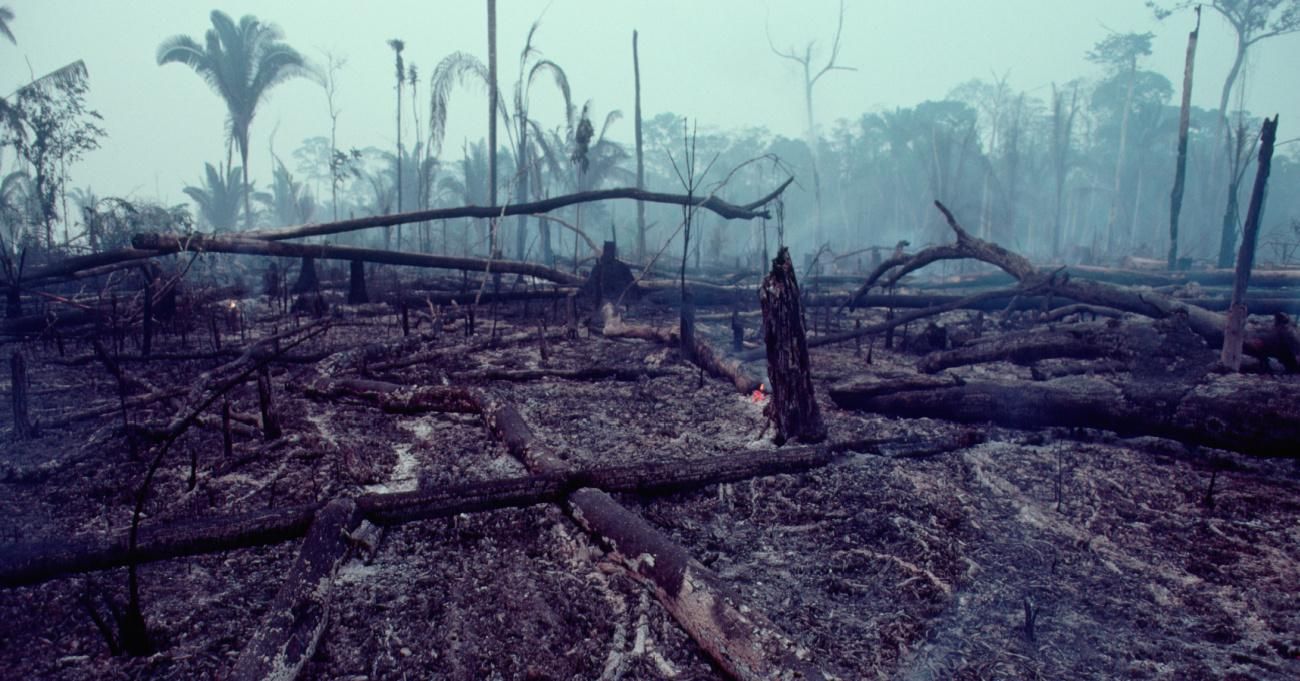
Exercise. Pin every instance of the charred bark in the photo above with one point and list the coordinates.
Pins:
(290, 631)
(1248, 415)
(23, 428)
(793, 407)
(357, 283)
(35, 562)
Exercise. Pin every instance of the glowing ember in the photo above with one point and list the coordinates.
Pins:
(758, 395)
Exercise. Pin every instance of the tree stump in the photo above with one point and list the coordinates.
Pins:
(307, 279)
(357, 283)
(22, 425)
(793, 406)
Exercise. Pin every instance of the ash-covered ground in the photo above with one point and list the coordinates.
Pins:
(1060, 554)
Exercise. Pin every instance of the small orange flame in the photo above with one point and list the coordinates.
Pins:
(758, 395)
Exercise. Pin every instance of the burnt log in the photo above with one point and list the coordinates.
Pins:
(739, 638)
(703, 355)
(291, 630)
(793, 407)
(1079, 341)
(1258, 416)
(39, 561)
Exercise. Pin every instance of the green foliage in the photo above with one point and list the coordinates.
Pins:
(288, 202)
(217, 195)
(49, 126)
(110, 222)
(241, 63)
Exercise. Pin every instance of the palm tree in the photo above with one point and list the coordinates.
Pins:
(289, 201)
(218, 197)
(241, 63)
(6, 16)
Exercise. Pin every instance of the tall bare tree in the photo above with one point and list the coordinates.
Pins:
(640, 155)
(398, 46)
(811, 75)
(1180, 165)
(492, 116)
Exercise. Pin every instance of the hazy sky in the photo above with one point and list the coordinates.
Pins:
(708, 60)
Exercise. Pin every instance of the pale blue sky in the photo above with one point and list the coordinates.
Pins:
(709, 60)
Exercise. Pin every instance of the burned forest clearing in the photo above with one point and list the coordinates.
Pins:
(543, 486)
(999, 385)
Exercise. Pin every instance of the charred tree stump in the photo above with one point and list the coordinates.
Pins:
(23, 428)
(289, 633)
(307, 279)
(794, 404)
(357, 283)
(146, 341)
(610, 280)
(270, 419)
(13, 303)
(737, 332)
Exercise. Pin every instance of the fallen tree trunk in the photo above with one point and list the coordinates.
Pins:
(178, 243)
(727, 210)
(36, 562)
(1252, 415)
(739, 638)
(1209, 325)
(1078, 341)
(703, 354)
(292, 628)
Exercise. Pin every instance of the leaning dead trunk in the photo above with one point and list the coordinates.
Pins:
(794, 404)
(1235, 329)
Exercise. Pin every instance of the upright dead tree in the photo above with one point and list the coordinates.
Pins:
(809, 81)
(640, 157)
(794, 405)
(357, 283)
(1180, 168)
(1234, 330)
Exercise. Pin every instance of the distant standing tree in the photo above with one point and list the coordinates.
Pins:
(1120, 53)
(398, 46)
(1062, 136)
(329, 81)
(1253, 21)
(809, 81)
(49, 126)
(241, 63)
(492, 119)
(6, 16)
(640, 156)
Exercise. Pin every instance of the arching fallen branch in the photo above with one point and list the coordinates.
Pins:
(175, 243)
(730, 211)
